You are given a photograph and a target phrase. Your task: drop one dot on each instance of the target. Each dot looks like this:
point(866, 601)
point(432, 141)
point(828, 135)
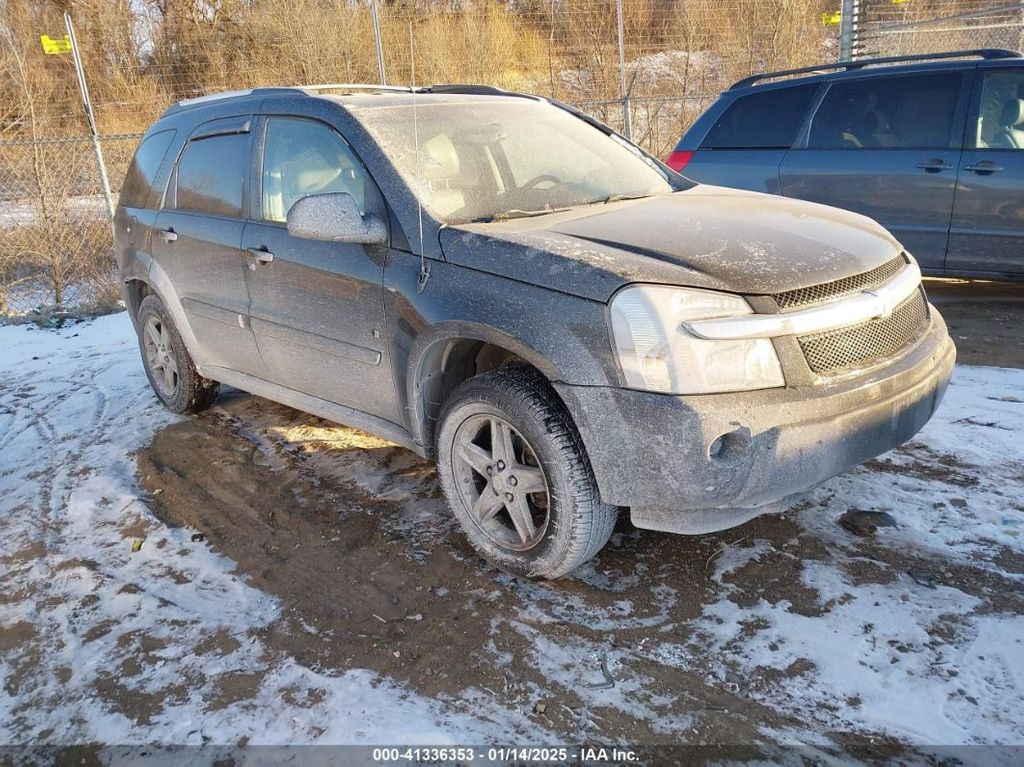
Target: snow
point(74, 405)
point(924, 665)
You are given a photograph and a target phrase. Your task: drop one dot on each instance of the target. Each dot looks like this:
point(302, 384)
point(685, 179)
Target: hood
point(704, 237)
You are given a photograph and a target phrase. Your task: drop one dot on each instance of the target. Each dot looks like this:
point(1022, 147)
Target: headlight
point(657, 354)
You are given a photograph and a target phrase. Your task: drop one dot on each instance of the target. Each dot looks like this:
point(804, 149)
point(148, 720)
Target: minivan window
point(304, 157)
point(999, 123)
point(211, 175)
point(764, 120)
point(138, 182)
point(909, 112)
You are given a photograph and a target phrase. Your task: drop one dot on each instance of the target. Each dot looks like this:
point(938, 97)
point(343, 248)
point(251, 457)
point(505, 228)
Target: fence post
point(377, 42)
point(87, 106)
point(627, 120)
point(849, 12)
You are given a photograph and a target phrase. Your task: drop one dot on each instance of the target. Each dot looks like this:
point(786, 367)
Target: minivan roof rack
point(983, 53)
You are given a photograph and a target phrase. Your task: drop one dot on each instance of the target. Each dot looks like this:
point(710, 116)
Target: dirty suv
point(500, 283)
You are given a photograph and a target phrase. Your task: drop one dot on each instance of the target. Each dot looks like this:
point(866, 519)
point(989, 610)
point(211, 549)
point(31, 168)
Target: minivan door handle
point(983, 167)
point(168, 235)
point(934, 166)
point(262, 255)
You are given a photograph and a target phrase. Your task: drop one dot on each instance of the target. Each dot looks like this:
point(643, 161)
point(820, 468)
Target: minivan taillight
point(679, 160)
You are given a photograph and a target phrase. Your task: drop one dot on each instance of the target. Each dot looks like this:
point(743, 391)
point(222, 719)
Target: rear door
point(987, 233)
point(887, 147)
point(198, 238)
point(317, 307)
point(745, 145)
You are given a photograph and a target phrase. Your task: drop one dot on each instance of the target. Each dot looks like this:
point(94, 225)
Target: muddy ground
point(351, 535)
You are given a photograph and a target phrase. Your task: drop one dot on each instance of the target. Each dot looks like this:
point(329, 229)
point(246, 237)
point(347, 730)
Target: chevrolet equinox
point(500, 283)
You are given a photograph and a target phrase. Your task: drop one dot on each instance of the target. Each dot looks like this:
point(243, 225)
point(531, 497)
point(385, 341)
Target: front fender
point(564, 336)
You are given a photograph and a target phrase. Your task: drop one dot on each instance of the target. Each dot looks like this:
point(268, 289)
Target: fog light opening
point(730, 445)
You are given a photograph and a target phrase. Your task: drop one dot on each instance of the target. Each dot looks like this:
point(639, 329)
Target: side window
point(765, 120)
point(138, 182)
point(999, 122)
point(211, 175)
point(910, 112)
point(304, 157)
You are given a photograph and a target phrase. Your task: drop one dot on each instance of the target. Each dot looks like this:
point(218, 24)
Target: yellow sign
point(900, 2)
point(54, 46)
point(831, 19)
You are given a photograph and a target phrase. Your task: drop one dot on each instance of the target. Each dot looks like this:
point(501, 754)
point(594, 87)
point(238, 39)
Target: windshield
point(483, 160)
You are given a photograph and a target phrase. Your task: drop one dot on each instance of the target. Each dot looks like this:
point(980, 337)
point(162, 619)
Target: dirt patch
point(360, 589)
point(983, 319)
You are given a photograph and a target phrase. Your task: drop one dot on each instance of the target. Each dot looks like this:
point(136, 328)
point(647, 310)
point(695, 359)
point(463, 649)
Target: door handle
point(261, 255)
point(168, 235)
point(934, 166)
point(983, 167)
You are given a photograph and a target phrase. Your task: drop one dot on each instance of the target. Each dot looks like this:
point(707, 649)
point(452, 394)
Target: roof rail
point(984, 53)
point(355, 87)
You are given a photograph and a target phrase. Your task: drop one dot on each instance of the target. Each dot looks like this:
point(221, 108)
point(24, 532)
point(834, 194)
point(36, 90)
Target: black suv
point(931, 147)
point(496, 281)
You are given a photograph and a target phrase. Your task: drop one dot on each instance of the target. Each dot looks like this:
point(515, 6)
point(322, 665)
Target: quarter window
point(764, 120)
point(915, 112)
point(1000, 120)
point(138, 182)
point(211, 175)
point(302, 158)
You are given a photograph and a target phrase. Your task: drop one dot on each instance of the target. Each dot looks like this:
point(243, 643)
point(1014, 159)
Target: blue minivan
point(931, 147)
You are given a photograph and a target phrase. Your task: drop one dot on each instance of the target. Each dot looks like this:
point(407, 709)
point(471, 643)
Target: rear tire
point(169, 368)
point(517, 477)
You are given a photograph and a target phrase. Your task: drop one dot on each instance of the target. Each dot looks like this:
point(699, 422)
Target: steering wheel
point(537, 180)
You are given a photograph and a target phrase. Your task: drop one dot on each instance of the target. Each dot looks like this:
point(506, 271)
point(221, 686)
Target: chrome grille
point(862, 344)
point(829, 291)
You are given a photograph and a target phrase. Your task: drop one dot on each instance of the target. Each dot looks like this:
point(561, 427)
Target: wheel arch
point(448, 354)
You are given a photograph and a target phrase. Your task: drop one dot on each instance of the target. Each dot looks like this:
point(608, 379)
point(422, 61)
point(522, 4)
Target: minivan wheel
point(517, 477)
point(169, 368)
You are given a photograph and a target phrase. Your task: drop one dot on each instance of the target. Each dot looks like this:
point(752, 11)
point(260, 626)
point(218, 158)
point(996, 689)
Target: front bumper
point(652, 452)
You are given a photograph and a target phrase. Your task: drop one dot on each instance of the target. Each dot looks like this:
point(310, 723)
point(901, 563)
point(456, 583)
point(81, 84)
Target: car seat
point(439, 164)
point(1011, 131)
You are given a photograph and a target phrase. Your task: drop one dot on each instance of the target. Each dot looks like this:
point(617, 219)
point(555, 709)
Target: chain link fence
point(891, 28)
point(56, 251)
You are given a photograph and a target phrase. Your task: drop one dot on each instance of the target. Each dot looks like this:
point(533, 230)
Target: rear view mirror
point(335, 217)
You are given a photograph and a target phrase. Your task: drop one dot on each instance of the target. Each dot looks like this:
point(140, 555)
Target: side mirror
point(335, 217)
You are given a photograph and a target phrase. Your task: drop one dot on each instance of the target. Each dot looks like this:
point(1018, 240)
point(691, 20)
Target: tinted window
point(138, 182)
point(766, 120)
point(211, 174)
point(999, 123)
point(302, 157)
point(914, 112)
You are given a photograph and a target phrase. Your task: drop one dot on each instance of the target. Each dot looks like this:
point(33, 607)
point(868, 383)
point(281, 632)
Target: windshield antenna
point(421, 282)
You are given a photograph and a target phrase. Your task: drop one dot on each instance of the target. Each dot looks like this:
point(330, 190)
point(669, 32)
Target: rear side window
point(912, 112)
point(142, 173)
point(211, 175)
point(765, 120)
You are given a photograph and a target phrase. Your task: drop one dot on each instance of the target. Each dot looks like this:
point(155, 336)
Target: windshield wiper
point(618, 198)
point(505, 215)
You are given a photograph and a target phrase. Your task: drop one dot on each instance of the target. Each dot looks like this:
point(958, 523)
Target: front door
point(987, 232)
point(317, 307)
point(887, 147)
point(197, 241)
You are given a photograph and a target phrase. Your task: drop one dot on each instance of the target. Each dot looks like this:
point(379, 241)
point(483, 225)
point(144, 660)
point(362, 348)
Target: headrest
point(1013, 113)
point(438, 158)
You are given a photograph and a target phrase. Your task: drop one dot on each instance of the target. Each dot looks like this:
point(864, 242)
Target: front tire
point(169, 368)
point(516, 475)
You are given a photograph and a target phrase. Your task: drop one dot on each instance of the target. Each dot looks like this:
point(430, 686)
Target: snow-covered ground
point(74, 405)
point(914, 635)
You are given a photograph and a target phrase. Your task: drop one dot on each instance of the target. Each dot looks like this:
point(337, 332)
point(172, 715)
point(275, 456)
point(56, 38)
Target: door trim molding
point(314, 342)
